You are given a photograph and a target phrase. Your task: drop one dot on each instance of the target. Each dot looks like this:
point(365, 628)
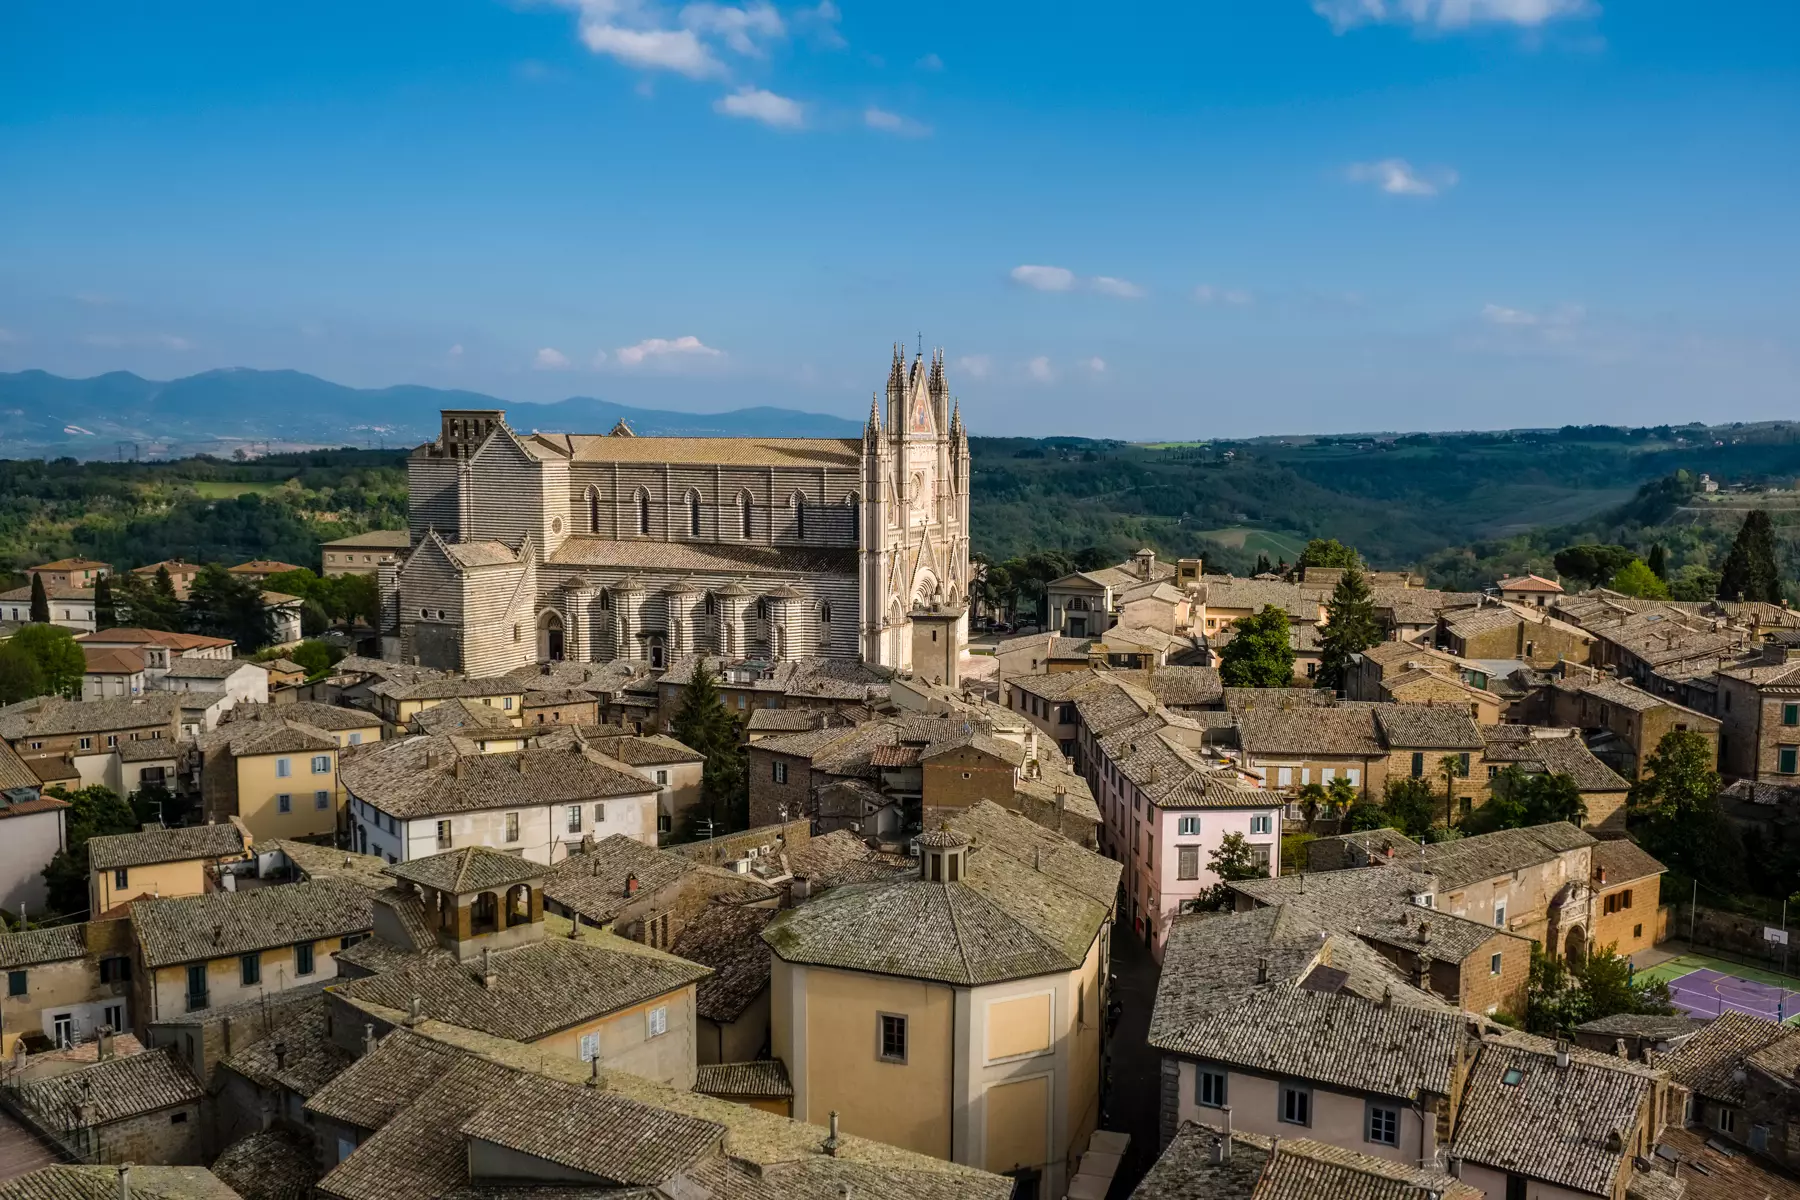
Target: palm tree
point(1452, 767)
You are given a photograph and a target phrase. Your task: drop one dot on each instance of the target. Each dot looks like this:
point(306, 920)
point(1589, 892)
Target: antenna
point(921, 343)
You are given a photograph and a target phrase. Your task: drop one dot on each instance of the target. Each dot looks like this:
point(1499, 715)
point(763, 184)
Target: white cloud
point(930, 62)
point(1096, 364)
point(894, 123)
point(975, 366)
point(599, 359)
point(1563, 317)
point(1044, 279)
point(1106, 285)
point(456, 351)
point(821, 22)
point(676, 50)
point(755, 104)
point(1496, 314)
point(1206, 293)
point(739, 27)
point(1449, 14)
point(1396, 177)
point(631, 356)
point(550, 359)
point(1039, 370)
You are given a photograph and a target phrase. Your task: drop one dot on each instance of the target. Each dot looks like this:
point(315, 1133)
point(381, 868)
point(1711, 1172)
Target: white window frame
point(590, 1047)
point(284, 768)
point(573, 814)
point(656, 1021)
point(321, 764)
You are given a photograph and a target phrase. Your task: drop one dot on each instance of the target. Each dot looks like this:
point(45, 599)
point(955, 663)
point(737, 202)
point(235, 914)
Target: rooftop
point(52, 716)
point(728, 939)
point(471, 869)
point(82, 1182)
point(765, 1078)
point(116, 1089)
point(225, 924)
point(1711, 1063)
point(422, 776)
point(1292, 1168)
point(1567, 755)
point(374, 539)
point(117, 850)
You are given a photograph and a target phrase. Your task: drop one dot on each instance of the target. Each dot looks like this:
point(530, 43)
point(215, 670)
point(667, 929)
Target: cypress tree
point(40, 601)
point(1659, 562)
point(1350, 627)
point(703, 724)
point(1750, 572)
point(105, 614)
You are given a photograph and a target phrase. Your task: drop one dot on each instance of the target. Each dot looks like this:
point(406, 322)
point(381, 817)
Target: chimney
point(800, 888)
point(1262, 970)
point(368, 1040)
point(414, 1011)
point(1424, 931)
point(1453, 1166)
point(457, 769)
point(1219, 1154)
point(594, 1080)
point(832, 1144)
point(1620, 1050)
point(1387, 996)
point(281, 1056)
point(1037, 858)
point(102, 1043)
point(631, 884)
point(1225, 1117)
point(1615, 1141)
point(488, 977)
point(1062, 800)
point(1601, 872)
point(1388, 851)
point(1562, 1055)
point(124, 1181)
point(431, 758)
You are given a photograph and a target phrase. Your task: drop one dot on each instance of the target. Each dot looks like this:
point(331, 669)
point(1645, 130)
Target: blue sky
point(1136, 220)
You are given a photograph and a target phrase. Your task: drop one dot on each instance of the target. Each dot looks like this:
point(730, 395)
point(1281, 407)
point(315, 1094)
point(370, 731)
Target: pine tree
point(1659, 562)
point(1262, 564)
point(40, 601)
point(105, 615)
point(1750, 572)
point(1350, 628)
point(221, 604)
point(165, 586)
point(703, 724)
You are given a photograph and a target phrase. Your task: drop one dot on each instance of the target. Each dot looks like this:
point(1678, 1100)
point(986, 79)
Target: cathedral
point(537, 547)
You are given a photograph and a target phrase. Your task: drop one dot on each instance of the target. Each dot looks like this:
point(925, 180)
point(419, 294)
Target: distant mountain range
point(45, 415)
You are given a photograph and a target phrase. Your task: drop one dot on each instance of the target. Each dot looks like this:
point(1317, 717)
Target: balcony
point(197, 1001)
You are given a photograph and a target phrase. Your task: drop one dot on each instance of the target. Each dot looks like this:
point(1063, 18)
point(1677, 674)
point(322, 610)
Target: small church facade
point(538, 547)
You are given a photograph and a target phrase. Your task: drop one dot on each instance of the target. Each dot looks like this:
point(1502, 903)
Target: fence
point(1730, 936)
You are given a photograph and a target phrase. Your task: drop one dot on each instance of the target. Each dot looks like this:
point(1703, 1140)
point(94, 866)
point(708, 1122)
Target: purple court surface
point(1708, 993)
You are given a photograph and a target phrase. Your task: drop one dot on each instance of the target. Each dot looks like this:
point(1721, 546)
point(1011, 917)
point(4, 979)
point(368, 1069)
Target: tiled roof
point(373, 539)
point(425, 776)
point(1711, 1062)
point(1467, 860)
point(726, 451)
point(593, 882)
point(14, 773)
point(598, 1133)
point(419, 1152)
point(329, 716)
point(1375, 903)
point(275, 1164)
point(450, 716)
point(143, 750)
point(298, 1055)
point(52, 591)
point(1340, 1040)
point(1647, 1025)
point(1177, 687)
point(749, 559)
point(1476, 621)
point(153, 637)
point(765, 1078)
point(370, 1091)
point(446, 687)
point(225, 924)
point(1530, 583)
point(538, 989)
point(117, 1089)
point(70, 564)
point(1625, 695)
point(1623, 860)
point(105, 660)
point(79, 1182)
point(1293, 1168)
point(58, 943)
point(471, 869)
point(989, 826)
point(1003, 920)
point(891, 741)
point(1255, 594)
point(1704, 1168)
point(785, 720)
point(1552, 755)
point(117, 850)
point(1428, 726)
point(186, 667)
point(727, 938)
point(263, 566)
point(1573, 1126)
point(52, 716)
point(1326, 731)
point(842, 857)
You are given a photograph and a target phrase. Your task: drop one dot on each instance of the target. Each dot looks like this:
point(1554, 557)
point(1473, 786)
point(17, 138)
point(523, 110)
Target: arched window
point(606, 601)
point(825, 613)
point(800, 516)
point(710, 605)
point(762, 610)
point(693, 499)
point(643, 507)
point(744, 512)
point(593, 507)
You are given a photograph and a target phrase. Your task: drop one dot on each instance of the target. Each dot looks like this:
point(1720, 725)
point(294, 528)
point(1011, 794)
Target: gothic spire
point(873, 428)
point(936, 382)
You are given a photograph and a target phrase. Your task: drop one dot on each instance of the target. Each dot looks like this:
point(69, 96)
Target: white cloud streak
point(550, 359)
point(652, 348)
point(1044, 279)
point(1038, 370)
point(894, 123)
point(1124, 289)
point(677, 50)
point(739, 28)
point(1096, 364)
point(930, 62)
point(975, 366)
point(1206, 293)
point(755, 104)
point(1449, 14)
point(1397, 177)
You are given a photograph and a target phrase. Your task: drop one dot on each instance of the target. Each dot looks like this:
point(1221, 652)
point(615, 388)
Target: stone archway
point(550, 637)
point(1575, 945)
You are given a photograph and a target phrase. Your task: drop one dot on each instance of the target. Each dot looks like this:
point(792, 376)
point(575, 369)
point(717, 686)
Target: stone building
point(536, 547)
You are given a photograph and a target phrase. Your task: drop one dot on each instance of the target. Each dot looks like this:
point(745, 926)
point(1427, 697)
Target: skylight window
point(1513, 1077)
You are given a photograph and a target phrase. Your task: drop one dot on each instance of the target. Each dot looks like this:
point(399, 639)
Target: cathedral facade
point(537, 547)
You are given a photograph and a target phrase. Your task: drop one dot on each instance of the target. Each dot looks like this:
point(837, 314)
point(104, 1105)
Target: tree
point(1326, 552)
point(1636, 579)
point(1230, 863)
point(703, 724)
point(58, 656)
point(1559, 996)
point(144, 603)
point(1749, 571)
point(106, 616)
point(1591, 564)
point(1262, 564)
point(1259, 653)
point(1408, 805)
point(1452, 767)
point(1694, 582)
point(1679, 818)
point(1350, 628)
point(1340, 795)
point(1311, 798)
point(40, 601)
point(1519, 799)
point(93, 811)
point(20, 678)
point(1659, 562)
point(316, 657)
point(1364, 815)
point(221, 604)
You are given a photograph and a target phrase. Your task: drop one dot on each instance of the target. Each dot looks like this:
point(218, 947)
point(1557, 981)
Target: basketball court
point(1705, 987)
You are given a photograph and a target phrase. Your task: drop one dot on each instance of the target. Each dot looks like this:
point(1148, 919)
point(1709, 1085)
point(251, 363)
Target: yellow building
point(156, 863)
point(223, 948)
point(276, 769)
point(515, 974)
point(957, 1012)
point(400, 702)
